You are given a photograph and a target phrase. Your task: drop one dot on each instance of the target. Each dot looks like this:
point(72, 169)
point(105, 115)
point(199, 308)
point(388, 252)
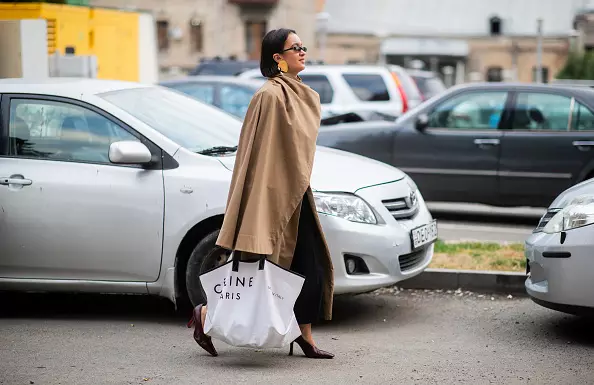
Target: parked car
point(230, 94)
point(223, 67)
point(234, 95)
point(498, 143)
point(559, 253)
point(118, 187)
point(428, 83)
point(347, 88)
point(409, 91)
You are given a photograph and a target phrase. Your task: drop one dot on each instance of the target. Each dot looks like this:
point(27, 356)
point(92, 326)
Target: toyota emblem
point(412, 198)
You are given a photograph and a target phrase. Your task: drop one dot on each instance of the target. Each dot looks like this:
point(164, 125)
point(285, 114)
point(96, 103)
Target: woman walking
point(270, 207)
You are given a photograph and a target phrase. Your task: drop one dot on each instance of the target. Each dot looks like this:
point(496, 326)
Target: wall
point(10, 45)
point(147, 55)
point(360, 48)
point(223, 25)
point(23, 44)
point(110, 35)
point(484, 53)
point(114, 39)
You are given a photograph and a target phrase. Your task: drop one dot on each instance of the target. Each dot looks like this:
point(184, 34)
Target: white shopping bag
point(250, 304)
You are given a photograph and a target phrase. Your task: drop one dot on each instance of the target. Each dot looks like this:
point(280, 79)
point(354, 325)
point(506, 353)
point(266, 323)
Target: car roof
point(421, 73)
point(347, 68)
point(213, 79)
point(74, 88)
point(331, 68)
point(586, 92)
point(236, 66)
point(229, 61)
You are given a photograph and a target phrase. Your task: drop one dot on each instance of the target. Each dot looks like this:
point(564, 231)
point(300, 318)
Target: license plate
point(423, 235)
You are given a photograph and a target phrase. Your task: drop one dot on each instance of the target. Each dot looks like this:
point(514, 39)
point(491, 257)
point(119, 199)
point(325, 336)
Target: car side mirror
point(129, 152)
point(422, 122)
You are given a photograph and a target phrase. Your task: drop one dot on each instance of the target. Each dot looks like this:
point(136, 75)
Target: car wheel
point(205, 256)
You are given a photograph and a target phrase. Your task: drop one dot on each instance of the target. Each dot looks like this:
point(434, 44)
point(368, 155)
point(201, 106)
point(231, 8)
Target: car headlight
point(346, 206)
point(578, 212)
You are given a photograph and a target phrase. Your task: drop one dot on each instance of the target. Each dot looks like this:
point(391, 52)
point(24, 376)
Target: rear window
point(321, 85)
point(368, 87)
point(429, 86)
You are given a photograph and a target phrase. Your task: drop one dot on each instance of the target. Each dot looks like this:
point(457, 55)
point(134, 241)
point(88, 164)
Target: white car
point(350, 88)
point(121, 187)
point(560, 253)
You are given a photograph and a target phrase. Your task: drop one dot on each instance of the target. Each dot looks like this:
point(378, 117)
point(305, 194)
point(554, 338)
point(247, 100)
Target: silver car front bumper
point(560, 274)
point(385, 249)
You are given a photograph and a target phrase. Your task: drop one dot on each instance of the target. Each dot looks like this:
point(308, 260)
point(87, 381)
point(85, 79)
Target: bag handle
point(235, 258)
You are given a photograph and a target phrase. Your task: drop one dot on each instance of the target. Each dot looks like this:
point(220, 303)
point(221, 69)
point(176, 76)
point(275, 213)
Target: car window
point(61, 131)
point(583, 119)
point(235, 100)
point(541, 111)
point(368, 87)
point(203, 92)
point(321, 85)
point(472, 110)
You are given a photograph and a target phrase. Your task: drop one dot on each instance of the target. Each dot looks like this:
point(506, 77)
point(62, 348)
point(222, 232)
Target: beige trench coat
point(271, 175)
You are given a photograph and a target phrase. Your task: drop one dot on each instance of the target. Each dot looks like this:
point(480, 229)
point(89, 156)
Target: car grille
point(545, 219)
point(412, 260)
point(401, 208)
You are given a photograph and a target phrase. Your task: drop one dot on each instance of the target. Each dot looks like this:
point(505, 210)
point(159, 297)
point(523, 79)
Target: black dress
point(306, 262)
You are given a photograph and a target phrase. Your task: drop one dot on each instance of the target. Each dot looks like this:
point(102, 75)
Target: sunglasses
point(295, 48)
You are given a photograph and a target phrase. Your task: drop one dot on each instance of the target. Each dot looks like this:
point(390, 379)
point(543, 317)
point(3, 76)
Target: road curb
point(488, 281)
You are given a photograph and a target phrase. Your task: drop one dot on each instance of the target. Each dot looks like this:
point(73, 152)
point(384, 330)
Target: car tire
point(205, 256)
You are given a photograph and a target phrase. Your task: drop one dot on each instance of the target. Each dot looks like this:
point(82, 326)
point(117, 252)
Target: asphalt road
point(411, 337)
point(471, 222)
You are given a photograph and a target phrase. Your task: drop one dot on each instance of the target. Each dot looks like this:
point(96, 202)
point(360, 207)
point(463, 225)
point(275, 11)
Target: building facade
point(465, 40)
point(190, 30)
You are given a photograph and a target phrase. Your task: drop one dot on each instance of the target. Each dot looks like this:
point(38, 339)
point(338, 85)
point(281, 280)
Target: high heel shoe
point(202, 339)
point(309, 350)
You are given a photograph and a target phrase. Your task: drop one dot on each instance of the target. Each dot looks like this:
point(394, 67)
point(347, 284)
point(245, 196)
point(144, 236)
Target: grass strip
point(479, 256)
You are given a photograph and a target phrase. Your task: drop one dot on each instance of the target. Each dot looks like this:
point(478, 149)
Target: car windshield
point(188, 122)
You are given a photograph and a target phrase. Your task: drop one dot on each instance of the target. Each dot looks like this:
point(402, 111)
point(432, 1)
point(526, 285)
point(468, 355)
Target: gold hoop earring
point(283, 66)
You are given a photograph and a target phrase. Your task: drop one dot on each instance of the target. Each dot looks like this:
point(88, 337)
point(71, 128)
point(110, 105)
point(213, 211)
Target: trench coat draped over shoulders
point(272, 174)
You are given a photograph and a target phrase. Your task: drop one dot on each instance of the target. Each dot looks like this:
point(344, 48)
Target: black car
point(498, 143)
point(223, 67)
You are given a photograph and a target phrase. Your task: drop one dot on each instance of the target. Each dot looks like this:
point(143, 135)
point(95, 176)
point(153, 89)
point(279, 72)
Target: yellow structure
point(111, 35)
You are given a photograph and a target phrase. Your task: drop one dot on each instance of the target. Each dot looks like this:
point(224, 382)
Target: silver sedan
point(121, 187)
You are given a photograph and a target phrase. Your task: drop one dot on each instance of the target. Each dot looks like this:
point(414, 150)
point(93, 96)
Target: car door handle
point(583, 145)
point(15, 181)
point(486, 142)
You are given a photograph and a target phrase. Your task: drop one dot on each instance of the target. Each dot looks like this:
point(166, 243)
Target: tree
point(579, 66)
